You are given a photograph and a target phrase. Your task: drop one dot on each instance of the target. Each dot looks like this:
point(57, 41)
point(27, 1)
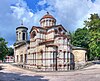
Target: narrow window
point(21, 58)
point(23, 36)
point(56, 31)
point(60, 29)
point(17, 58)
point(19, 35)
point(41, 56)
point(64, 56)
point(16, 35)
point(25, 58)
point(33, 58)
point(33, 34)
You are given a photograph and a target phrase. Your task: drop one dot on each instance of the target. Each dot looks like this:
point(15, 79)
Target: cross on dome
point(21, 22)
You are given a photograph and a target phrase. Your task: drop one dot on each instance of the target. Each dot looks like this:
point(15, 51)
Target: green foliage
point(10, 51)
point(93, 25)
point(80, 38)
point(3, 48)
point(89, 37)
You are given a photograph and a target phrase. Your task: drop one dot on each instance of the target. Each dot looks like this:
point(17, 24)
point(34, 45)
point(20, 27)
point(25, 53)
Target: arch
point(41, 51)
point(64, 56)
point(23, 36)
point(17, 37)
point(60, 29)
point(64, 33)
point(72, 61)
point(33, 34)
point(34, 29)
point(56, 31)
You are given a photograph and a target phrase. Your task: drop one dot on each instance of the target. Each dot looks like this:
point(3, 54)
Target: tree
point(80, 37)
point(89, 37)
point(3, 48)
point(93, 25)
point(10, 51)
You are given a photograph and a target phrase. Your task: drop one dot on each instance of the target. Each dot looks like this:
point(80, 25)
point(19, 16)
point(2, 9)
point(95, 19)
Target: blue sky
point(69, 13)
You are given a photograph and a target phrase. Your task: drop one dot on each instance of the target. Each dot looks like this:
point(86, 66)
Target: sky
point(70, 13)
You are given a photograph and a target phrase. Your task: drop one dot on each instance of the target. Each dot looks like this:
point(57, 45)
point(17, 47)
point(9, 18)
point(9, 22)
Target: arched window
point(17, 58)
point(17, 37)
point(60, 29)
point(46, 22)
point(41, 54)
point(64, 56)
point(23, 36)
point(64, 33)
point(56, 31)
point(33, 34)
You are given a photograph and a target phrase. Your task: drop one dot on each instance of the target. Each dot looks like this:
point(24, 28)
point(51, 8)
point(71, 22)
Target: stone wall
point(79, 55)
point(20, 53)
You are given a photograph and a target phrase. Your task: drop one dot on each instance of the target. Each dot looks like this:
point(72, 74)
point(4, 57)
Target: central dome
point(47, 16)
point(47, 20)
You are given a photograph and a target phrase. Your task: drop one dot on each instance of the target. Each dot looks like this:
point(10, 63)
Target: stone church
point(48, 49)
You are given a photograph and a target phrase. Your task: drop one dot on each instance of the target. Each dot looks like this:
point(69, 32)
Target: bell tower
point(21, 34)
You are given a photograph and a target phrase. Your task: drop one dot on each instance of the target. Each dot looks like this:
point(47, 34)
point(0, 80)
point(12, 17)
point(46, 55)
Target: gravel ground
point(12, 73)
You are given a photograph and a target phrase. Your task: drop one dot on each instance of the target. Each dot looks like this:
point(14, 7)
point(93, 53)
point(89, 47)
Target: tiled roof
point(47, 16)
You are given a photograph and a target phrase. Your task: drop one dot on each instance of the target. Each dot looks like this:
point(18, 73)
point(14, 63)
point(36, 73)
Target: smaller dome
point(47, 16)
point(21, 26)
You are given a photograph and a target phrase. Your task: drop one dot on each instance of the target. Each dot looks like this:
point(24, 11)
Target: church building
point(48, 49)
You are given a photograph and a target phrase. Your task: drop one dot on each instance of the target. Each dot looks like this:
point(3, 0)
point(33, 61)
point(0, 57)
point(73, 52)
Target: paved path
point(11, 73)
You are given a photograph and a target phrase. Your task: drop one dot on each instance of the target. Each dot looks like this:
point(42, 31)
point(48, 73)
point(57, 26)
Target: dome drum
point(21, 34)
point(47, 20)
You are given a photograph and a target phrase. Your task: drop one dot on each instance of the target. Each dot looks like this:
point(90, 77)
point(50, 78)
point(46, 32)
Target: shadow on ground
point(96, 62)
point(19, 77)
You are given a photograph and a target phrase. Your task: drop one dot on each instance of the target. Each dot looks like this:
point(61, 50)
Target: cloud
point(11, 46)
point(7, 22)
point(11, 14)
point(72, 13)
point(42, 2)
point(21, 11)
point(69, 13)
